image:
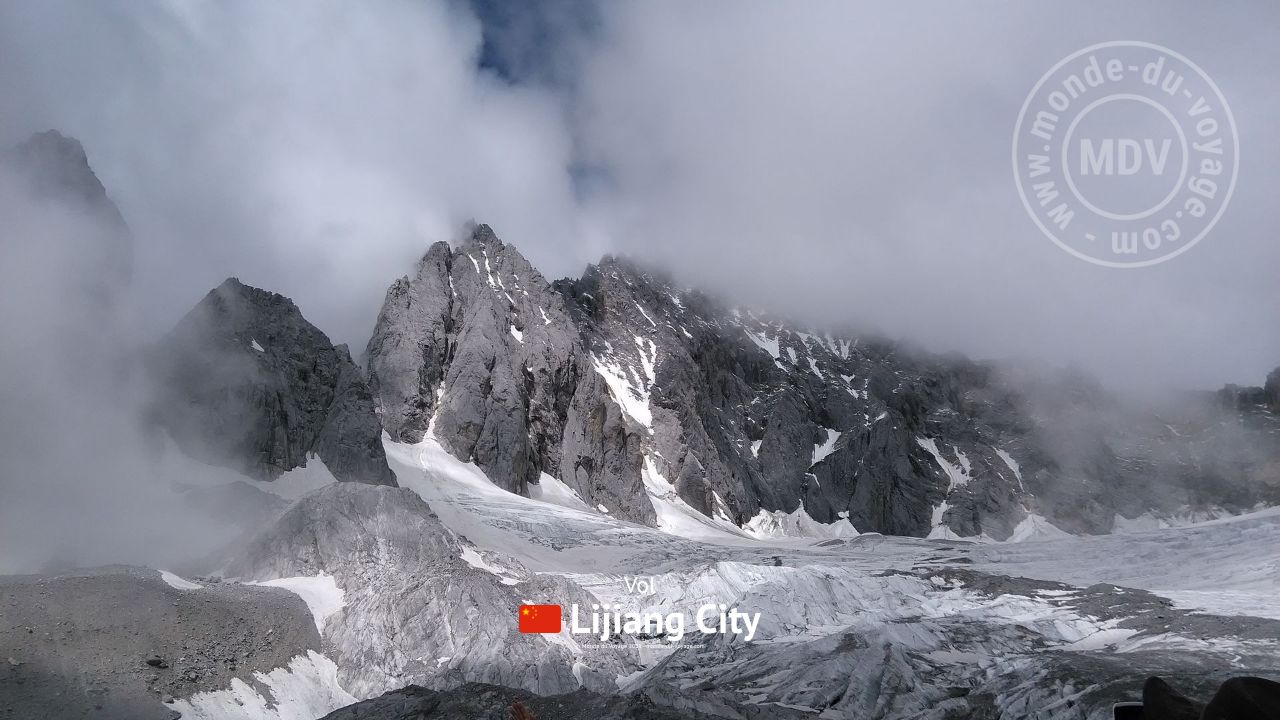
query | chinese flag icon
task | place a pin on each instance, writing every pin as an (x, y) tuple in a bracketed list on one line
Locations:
[(539, 618)]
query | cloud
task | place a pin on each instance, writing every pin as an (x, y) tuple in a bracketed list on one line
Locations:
[(315, 149), (850, 162), (839, 162)]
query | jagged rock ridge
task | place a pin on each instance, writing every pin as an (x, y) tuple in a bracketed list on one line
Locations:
[(478, 347), (642, 395)]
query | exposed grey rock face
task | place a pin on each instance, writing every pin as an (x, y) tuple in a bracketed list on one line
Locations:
[(416, 610), (634, 391), (479, 347), (244, 381), (478, 344)]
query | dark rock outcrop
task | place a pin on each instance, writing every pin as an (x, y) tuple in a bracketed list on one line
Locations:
[(477, 701), (1253, 399), (244, 381)]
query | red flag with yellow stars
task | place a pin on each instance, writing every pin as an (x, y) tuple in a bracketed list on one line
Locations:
[(539, 618)]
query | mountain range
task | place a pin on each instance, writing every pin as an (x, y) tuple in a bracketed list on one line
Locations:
[(925, 535)]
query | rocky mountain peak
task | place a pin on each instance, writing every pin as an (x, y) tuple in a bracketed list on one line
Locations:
[(658, 404), (52, 162), (245, 381), (53, 168)]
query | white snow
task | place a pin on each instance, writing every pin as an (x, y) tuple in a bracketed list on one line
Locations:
[(774, 525), (938, 511), (177, 582), (826, 448), (1226, 566), (646, 315), (551, 490), (1100, 639), (648, 359), (824, 589), (321, 594), (545, 320), (476, 560), (519, 336), (957, 476), (494, 283), (254, 344), (1182, 518), (632, 397), (1013, 465), (768, 345), (675, 516), (1035, 528), (306, 689), (755, 447)]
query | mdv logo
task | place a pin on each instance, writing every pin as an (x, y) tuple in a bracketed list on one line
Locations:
[(1124, 156)]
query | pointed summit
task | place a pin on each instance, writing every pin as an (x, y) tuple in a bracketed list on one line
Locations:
[(246, 382), (54, 168)]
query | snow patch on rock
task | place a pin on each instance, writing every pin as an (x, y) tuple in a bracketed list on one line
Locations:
[(321, 594), (826, 448), (631, 396), (306, 689), (1013, 465), (677, 517), (551, 490), (176, 582)]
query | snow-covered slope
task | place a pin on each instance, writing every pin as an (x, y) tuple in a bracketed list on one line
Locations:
[(858, 626), (306, 689)]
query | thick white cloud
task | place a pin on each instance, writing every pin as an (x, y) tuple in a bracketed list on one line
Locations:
[(311, 148), (841, 161), (850, 161)]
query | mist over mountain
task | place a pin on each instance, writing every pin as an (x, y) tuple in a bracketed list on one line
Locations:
[(426, 359), (316, 151)]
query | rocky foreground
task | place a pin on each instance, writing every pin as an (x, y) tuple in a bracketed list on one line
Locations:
[(122, 643)]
